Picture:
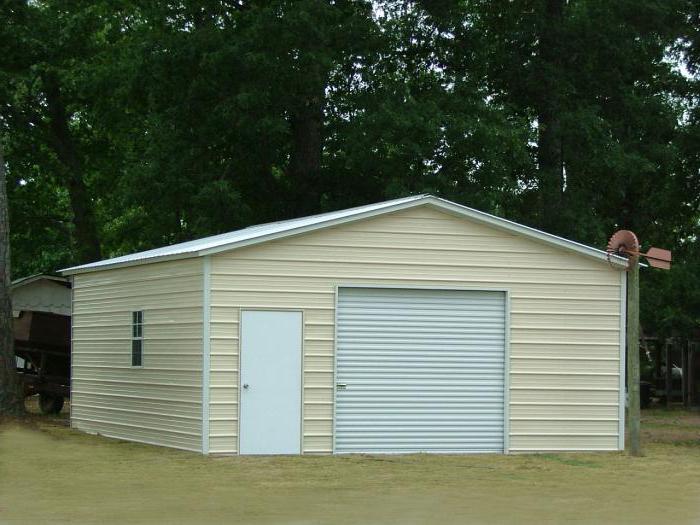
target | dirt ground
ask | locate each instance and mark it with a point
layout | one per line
(51, 474)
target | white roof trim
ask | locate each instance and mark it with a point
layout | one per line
(278, 230)
(528, 231)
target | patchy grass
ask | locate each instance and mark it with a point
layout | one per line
(677, 427)
(570, 459)
(52, 474)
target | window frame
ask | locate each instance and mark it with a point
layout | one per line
(137, 336)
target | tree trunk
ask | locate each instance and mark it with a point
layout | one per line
(550, 153)
(86, 238)
(11, 395)
(305, 158)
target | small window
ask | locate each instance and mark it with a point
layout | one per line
(137, 338)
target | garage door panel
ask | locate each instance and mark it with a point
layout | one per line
(435, 430)
(406, 345)
(420, 370)
(415, 413)
(412, 350)
(435, 398)
(367, 362)
(419, 336)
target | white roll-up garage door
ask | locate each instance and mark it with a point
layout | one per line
(419, 370)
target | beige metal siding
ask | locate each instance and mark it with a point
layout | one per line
(160, 403)
(564, 338)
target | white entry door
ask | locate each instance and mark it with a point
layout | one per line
(270, 382)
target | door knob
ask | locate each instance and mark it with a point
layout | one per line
(245, 385)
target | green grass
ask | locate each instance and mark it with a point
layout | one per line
(51, 474)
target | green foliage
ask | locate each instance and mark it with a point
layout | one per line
(184, 119)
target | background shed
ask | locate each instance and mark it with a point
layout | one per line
(41, 293)
(41, 307)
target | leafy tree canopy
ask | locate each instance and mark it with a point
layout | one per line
(129, 125)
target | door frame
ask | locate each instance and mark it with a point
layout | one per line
(506, 343)
(239, 419)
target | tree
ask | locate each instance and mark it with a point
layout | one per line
(11, 397)
(595, 82)
(135, 125)
(46, 109)
(416, 118)
(614, 136)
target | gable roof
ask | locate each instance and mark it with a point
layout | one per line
(39, 277)
(276, 230)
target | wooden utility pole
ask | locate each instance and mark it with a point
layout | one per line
(625, 243)
(633, 412)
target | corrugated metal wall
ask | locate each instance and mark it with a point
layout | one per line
(160, 403)
(565, 319)
(420, 370)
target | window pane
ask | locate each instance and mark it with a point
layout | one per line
(136, 352)
(137, 324)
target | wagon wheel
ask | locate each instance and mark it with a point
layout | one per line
(50, 404)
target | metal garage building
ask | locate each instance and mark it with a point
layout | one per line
(413, 325)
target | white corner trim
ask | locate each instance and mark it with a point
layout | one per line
(336, 291)
(206, 351)
(623, 366)
(506, 375)
(72, 346)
